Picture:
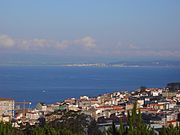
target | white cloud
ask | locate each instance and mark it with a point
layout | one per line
(127, 46)
(40, 43)
(23, 44)
(6, 41)
(63, 44)
(87, 42)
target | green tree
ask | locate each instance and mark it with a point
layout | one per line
(121, 127)
(93, 128)
(135, 125)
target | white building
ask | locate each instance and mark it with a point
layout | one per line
(6, 108)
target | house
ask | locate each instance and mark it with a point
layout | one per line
(74, 108)
(84, 103)
(33, 115)
(70, 101)
(63, 107)
(156, 106)
(106, 111)
(178, 95)
(41, 107)
(168, 93)
(129, 106)
(172, 119)
(140, 102)
(172, 122)
(155, 93)
(84, 98)
(172, 105)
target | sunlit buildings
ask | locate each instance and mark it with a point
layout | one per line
(6, 109)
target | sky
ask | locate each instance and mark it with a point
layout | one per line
(76, 31)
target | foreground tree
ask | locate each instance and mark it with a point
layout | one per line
(170, 130)
(74, 123)
(7, 129)
(135, 125)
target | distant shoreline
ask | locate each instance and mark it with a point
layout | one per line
(120, 64)
(106, 66)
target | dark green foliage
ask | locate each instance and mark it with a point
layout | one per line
(47, 130)
(114, 129)
(163, 131)
(74, 123)
(7, 129)
(170, 130)
(121, 128)
(135, 125)
(93, 128)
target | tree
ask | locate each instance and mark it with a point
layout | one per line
(121, 127)
(135, 125)
(93, 128)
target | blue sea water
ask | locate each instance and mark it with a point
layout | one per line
(50, 84)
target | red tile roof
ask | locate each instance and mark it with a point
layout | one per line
(6, 99)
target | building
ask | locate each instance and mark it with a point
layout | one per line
(6, 108)
(41, 107)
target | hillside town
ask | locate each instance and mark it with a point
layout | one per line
(159, 107)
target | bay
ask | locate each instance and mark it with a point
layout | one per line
(54, 83)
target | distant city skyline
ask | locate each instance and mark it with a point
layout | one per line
(88, 31)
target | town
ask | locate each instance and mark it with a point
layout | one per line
(159, 107)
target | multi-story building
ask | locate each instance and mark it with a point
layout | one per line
(6, 108)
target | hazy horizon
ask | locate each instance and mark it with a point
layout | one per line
(88, 31)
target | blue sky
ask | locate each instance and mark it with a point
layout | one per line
(88, 30)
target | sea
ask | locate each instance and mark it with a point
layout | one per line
(50, 84)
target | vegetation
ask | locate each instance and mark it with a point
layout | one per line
(136, 126)
(73, 123)
(7, 129)
(170, 130)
